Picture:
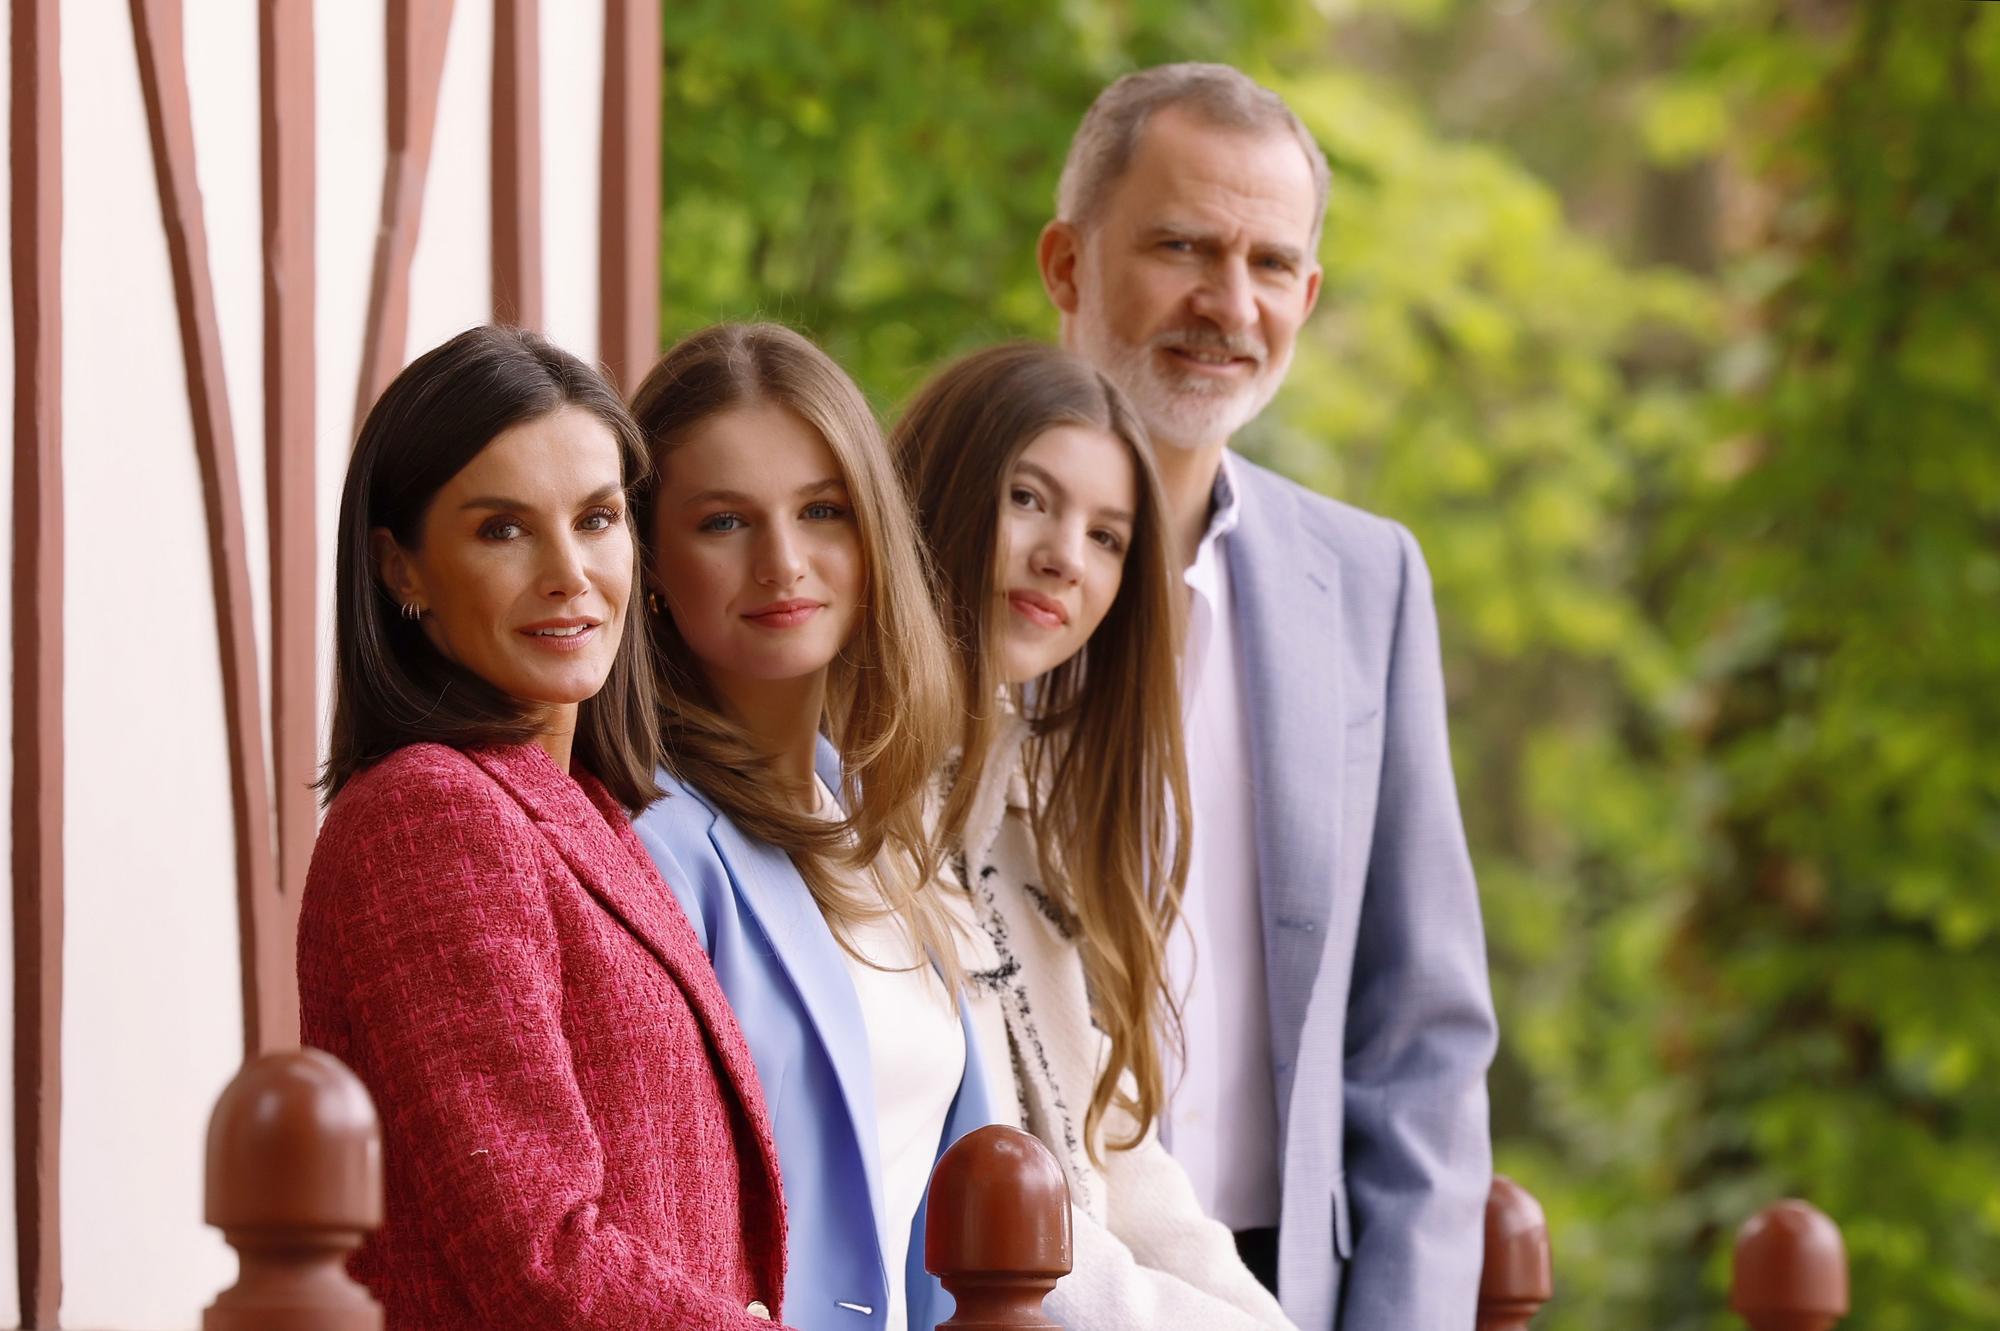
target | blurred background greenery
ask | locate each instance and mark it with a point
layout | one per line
(1672, 328)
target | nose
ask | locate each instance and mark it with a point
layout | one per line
(779, 562)
(1225, 297)
(564, 577)
(1059, 554)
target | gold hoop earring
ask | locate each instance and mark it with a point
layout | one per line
(653, 602)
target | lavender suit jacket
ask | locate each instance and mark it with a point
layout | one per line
(1382, 1021)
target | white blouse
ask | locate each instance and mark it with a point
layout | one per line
(1146, 1255)
(916, 1051)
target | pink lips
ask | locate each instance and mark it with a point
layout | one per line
(784, 614)
(561, 635)
(1042, 611)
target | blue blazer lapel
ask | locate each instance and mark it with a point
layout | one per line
(971, 1108)
(1289, 627)
(826, 762)
(801, 944)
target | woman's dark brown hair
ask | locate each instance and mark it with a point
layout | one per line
(1105, 757)
(391, 687)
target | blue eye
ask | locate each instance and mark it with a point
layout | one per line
(600, 519)
(721, 522)
(501, 529)
(824, 512)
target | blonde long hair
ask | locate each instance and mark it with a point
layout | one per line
(1108, 768)
(891, 706)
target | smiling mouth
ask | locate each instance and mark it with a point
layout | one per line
(784, 614)
(1211, 361)
(562, 637)
(1038, 610)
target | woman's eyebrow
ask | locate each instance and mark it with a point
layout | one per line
(715, 497)
(502, 504)
(1045, 476)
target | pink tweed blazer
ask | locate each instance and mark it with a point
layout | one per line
(573, 1132)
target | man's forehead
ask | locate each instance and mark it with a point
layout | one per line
(1186, 170)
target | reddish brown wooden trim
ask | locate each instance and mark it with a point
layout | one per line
(417, 33)
(629, 222)
(269, 1001)
(285, 103)
(517, 163)
(35, 173)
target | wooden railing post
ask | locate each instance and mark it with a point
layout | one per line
(1518, 1276)
(997, 1234)
(1790, 1271)
(295, 1185)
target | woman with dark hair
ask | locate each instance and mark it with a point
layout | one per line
(1067, 808)
(574, 1134)
(806, 701)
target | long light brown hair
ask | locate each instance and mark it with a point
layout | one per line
(1108, 769)
(891, 707)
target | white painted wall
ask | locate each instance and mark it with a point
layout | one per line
(10, 1292)
(152, 1021)
(572, 138)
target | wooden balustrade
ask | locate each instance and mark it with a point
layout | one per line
(1790, 1272)
(997, 1235)
(1518, 1276)
(295, 1185)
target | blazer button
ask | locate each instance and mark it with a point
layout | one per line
(757, 1309)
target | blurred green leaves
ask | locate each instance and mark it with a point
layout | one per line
(1672, 328)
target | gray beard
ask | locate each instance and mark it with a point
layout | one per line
(1179, 411)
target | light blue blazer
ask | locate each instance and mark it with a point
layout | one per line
(1382, 1023)
(786, 978)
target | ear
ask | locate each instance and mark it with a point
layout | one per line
(396, 570)
(1312, 290)
(1056, 253)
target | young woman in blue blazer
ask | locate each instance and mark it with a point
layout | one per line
(807, 697)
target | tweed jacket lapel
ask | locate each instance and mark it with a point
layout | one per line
(593, 834)
(1288, 627)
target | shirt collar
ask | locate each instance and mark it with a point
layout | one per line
(1225, 509)
(1225, 512)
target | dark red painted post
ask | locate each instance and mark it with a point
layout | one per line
(294, 1184)
(997, 1234)
(1518, 1276)
(1791, 1270)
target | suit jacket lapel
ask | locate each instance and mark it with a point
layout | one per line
(803, 945)
(1288, 625)
(594, 836)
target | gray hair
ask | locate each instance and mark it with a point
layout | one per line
(1219, 95)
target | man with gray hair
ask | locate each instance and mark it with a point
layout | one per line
(1331, 1102)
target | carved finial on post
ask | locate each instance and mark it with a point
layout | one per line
(997, 1234)
(294, 1184)
(1791, 1270)
(1518, 1277)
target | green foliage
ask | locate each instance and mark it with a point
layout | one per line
(1672, 328)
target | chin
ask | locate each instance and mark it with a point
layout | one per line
(780, 666)
(1025, 662)
(564, 690)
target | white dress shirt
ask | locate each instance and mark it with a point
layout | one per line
(1222, 1121)
(917, 1051)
